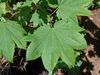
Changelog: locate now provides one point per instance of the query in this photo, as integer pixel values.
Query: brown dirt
(91, 56)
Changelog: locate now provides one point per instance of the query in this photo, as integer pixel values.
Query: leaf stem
(53, 11)
(14, 15)
(18, 12)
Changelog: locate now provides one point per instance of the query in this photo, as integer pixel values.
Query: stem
(14, 15)
(17, 13)
(53, 11)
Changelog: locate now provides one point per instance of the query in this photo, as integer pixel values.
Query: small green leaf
(61, 64)
(52, 3)
(38, 18)
(35, 1)
(24, 14)
(98, 3)
(79, 63)
(54, 43)
(3, 7)
(43, 3)
(10, 34)
(17, 5)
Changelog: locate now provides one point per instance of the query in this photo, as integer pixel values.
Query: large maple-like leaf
(54, 43)
(10, 34)
(72, 8)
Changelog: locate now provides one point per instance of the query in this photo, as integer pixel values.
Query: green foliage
(98, 4)
(57, 42)
(35, 1)
(23, 13)
(65, 69)
(3, 7)
(94, 4)
(3, 0)
(38, 18)
(10, 34)
(57, 37)
(1, 12)
(79, 8)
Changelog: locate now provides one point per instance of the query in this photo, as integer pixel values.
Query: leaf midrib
(6, 44)
(62, 45)
(11, 33)
(41, 42)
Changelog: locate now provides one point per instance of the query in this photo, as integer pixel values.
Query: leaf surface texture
(10, 34)
(54, 43)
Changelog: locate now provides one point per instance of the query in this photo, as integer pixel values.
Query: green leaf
(61, 64)
(0, 53)
(3, 7)
(10, 34)
(74, 71)
(35, 1)
(38, 18)
(52, 3)
(1, 12)
(73, 8)
(24, 14)
(17, 5)
(43, 4)
(54, 43)
(3, 0)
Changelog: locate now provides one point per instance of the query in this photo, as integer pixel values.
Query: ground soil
(90, 56)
